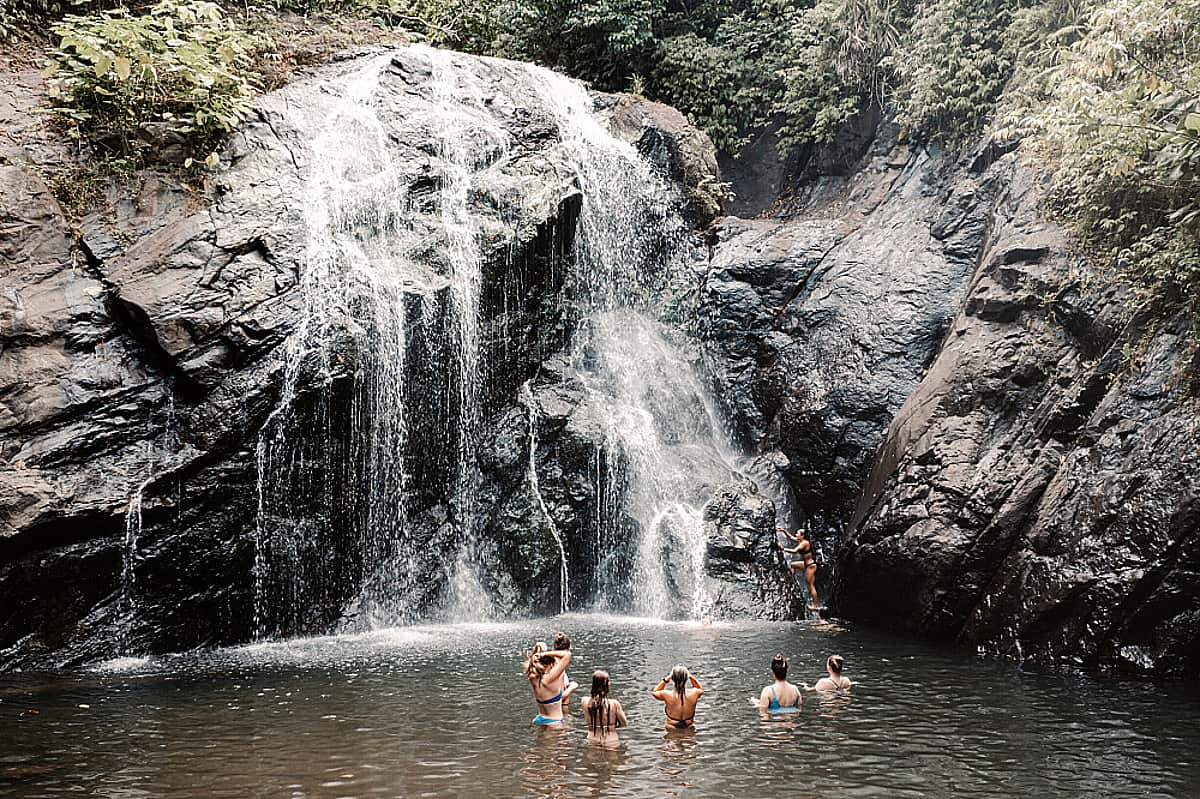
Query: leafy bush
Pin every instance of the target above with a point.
(730, 83)
(130, 83)
(1119, 112)
(434, 17)
(17, 15)
(952, 66)
(816, 96)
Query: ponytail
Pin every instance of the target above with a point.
(679, 676)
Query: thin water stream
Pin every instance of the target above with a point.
(444, 711)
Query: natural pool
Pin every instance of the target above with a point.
(444, 711)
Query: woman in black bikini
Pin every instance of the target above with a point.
(680, 701)
(804, 549)
(545, 668)
(604, 714)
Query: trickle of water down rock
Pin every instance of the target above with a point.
(408, 370)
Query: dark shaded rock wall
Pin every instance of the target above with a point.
(819, 324)
(1035, 496)
(983, 444)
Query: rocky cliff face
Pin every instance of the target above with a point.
(984, 446)
(143, 353)
(1035, 496)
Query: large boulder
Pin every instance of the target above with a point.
(818, 325)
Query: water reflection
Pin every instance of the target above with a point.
(547, 761)
(600, 767)
(677, 755)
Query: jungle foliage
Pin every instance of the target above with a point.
(1106, 90)
(131, 83)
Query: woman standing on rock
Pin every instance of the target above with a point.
(604, 714)
(807, 562)
(545, 668)
(679, 703)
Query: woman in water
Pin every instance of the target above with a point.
(680, 702)
(806, 562)
(545, 668)
(563, 644)
(835, 681)
(604, 714)
(782, 696)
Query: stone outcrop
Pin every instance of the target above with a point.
(818, 325)
(983, 444)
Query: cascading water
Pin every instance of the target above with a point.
(467, 139)
(353, 284)
(390, 337)
(631, 251)
(669, 440)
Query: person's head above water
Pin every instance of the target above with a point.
(561, 641)
(835, 664)
(779, 666)
(535, 662)
(679, 676)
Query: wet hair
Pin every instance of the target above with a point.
(535, 662)
(599, 712)
(561, 641)
(779, 666)
(835, 664)
(679, 676)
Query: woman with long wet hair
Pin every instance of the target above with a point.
(680, 700)
(604, 714)
(544, 668)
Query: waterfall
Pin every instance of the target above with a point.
(133, 529)
(386, 377)
(631, 250)
(467, 139)
(353, 284)
(671, 443)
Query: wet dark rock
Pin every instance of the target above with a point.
(140, 357)
(983, 445)
(748, 575)
(680, 151)
(817, 327)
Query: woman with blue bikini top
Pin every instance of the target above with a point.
(545, 668)
(782, 697)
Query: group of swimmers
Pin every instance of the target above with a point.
(679, 691)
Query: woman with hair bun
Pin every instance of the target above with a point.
(780, 697)
(544, 668)
(835, 681)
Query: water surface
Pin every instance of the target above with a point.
(444, 711)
